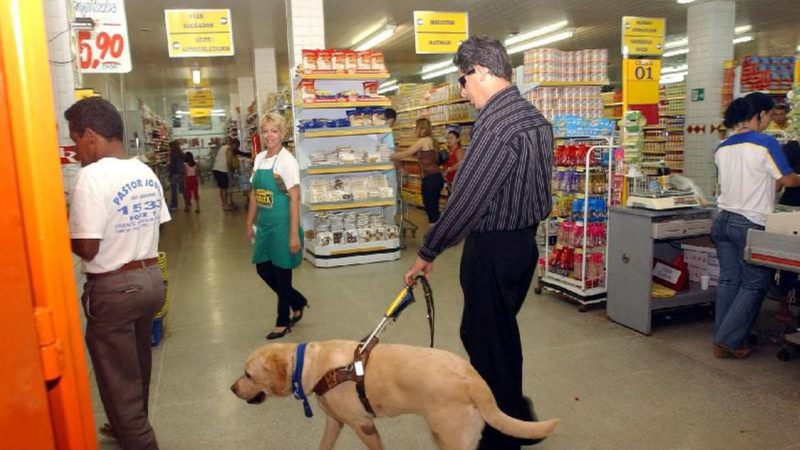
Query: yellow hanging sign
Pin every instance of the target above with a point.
(200, 98)
(642, 46)
(644, 26)
(640, 81)
(195, 113)
(440, 32)
(199, 32)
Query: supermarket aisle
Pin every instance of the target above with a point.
(612, 388)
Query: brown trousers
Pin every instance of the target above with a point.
(119, 311)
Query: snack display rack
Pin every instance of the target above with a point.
(156, 142)
(348, 183)
(444, 107)
(588, 178)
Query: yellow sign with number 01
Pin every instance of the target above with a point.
(640, 81)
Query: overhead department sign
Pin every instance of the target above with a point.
(199, 32)
(440, 32)
(643, 36)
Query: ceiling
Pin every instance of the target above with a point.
(262, 23)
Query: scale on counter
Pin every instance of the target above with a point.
(661, 200)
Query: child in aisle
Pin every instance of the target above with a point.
(190, 188)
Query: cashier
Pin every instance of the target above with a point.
(780, 117)
(749, 163)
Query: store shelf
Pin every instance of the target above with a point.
(608, 105)
(654, 141)
(769, 92)
(342, 105)
(432, 105)
(671, 115)
(350, 205)
(321, 170)
(343, 76)
(674, 97)
(569, 83)
(350, 131)
(438, 123)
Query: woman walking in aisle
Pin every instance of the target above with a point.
(191, 187)
(222, 162)
(427, 150)
(749, 162)
(273, 222)
(175, 174)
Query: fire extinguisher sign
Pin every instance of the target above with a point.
(104, 47)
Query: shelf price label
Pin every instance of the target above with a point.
(105, 48)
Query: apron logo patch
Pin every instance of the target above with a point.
(264, 198)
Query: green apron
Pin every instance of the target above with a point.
(272, 223)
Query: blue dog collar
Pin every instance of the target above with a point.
(297, 379)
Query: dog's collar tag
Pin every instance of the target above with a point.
(297, 380)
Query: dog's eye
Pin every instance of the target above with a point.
(247, 375)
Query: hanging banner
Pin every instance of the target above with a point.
(200, 98)
(643, 36)
(440, 32)
(105, 47)
(199, 32)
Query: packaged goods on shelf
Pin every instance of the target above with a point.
(584, 101)
(350, 188)
(572, 126)
(767, 73)
(794, 115)
(328, 61)
(357, 117)
(311, 95)
(549, 64)
(337, 228)
(344, 155)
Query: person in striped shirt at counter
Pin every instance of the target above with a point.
(501, 194)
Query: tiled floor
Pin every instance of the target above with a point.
(613, 388)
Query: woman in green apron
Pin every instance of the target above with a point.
(273, 222)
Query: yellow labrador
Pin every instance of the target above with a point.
(440, 386)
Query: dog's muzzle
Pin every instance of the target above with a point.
(258, 399)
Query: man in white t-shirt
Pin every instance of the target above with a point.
(117, 205)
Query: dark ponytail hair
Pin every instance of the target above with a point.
(747, 107)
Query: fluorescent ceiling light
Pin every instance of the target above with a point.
(682, 42)
(440, 72)
(377, 38)
(673, 78)
(213, 111)
(388, 83)
(680, 51)
(436, 66)
(674, 69)
(798, 48)
(528, 35)
(684, 2)
(742, 29)
(386, 89)
(543, 41)
(196, 76)
(742, 39)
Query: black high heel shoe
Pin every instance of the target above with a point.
(297, 318)
(279, 334)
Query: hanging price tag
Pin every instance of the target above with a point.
(103, 49)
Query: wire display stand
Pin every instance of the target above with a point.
(575, 244)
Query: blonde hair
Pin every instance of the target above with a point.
(274, 118)
(424, 128)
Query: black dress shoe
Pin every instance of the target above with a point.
(297, 318)
(279, 334)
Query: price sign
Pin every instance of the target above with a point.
(103, 49)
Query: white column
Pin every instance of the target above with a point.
(64, 73)
(710, 30)
(266, 75)
(306, 27)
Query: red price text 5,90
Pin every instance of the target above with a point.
(99, 49)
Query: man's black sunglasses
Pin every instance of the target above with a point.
(462, 80)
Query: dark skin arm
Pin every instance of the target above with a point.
(87, 249)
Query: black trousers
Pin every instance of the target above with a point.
(431, 193)
(496, 272)
(280, 281)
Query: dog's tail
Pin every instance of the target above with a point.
(487, 405)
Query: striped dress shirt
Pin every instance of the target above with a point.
(504, 182)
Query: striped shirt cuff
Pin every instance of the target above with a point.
(426, 254)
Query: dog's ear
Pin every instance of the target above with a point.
(277, 366)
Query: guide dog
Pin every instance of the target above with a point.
(438, 385)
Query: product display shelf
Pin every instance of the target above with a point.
(337, 105)
(671, 125)
(156, 142)
(329, 247)
(575, 244)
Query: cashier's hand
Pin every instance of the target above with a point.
(420, 265)
(294, 243)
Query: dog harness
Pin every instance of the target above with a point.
(352, 372)
(297, 379)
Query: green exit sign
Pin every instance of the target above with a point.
(698, 95)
